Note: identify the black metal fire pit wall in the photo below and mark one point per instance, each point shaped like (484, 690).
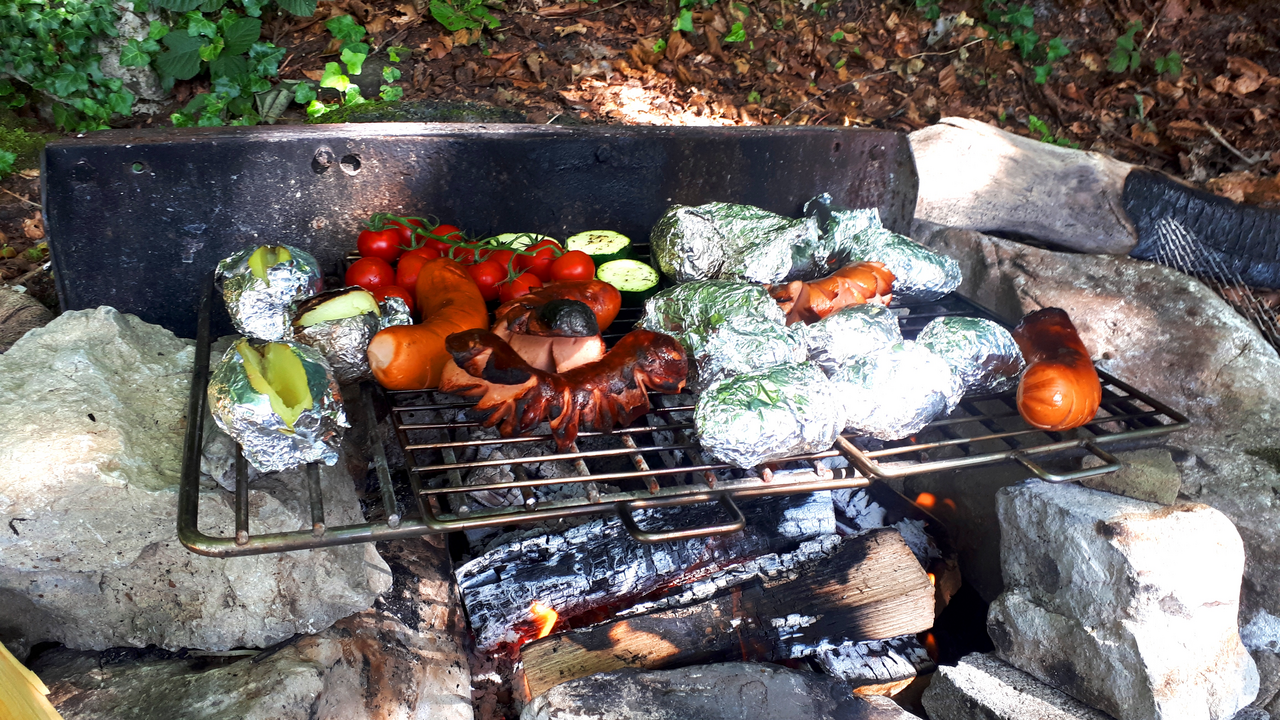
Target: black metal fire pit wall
(138, 219)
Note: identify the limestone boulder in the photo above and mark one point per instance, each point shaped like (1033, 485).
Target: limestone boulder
(1125, 605)
(1167, 334)
(982, 687)
(90, 455)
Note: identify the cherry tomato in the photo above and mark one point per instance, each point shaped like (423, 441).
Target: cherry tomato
(502, 257)
(443, 231)
(573, 265)
(383, 244)
(488, 275)
(520, 286)
(405, 229)
(387, 291)
(370, 273)
(429, 253)
(408, 268)
(545, 253)
(463, 255)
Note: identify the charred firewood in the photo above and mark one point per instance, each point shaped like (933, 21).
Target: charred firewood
(599, 564)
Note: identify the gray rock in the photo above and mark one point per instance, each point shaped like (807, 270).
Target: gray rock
(1252, 713)
(90, 454)
(1169, 335)
(402, 660)
(1268, 676)
(1148, 474)
(1125, 605)
(708, 692)
(981, 687)
(142, 81)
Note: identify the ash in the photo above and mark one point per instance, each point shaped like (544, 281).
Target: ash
(860, 513)
(870, 661)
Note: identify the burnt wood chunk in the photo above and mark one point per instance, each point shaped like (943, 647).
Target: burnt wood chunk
(873, 588)
(598, 564)
(171, 203)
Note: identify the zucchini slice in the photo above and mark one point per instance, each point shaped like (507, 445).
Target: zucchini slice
(636, 281)
(602, 245)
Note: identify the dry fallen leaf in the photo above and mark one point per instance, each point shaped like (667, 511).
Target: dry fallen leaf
(1093, 61)
(1221, 84)
(466, 36)
(677, 46)
(1245, 85)
(574, 29)
(30, 173)
(1185, 128)
(1143, 136)
(947, 81)
(410, 11)
(438, 47)
(33, 227)
(377, 24)
(875, 61)
(742, 66)
(1243, 66)
(554, 11)
(316, 75)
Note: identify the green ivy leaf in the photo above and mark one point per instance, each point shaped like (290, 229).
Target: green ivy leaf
(6, 162)
(211, 6)
(450, 18)
(210, 52)
(305, 8)
(132, 55)
(837, 36)
(304, 93)
(333, 77)
(253, 8)
(198, 25)
(352, 95)
(390, 74)
(353, 60)
(157, 30)
(265, 58)
(226, 86)
(227, 65)
(344, 27)
(395, 52)
(659, 45)
(178, 5)
(182, 60)
(242, 34)
(736, 34)
(685, 22)
(391, 93)
(1022, 16)
(1057, 50)
(1042, 73)
(121, 102)
(315, 109)
(141, 6)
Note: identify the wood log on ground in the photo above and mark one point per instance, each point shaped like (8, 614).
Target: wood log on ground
(877, 667)
(873, 588)
(978, 177)
(599, 564)
(19, 312)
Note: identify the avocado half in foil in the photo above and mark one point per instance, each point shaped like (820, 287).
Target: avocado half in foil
(261, 284)
(340, 324)
(280, 401)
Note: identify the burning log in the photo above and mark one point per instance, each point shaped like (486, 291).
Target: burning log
(599, 564)
(872, 588)
(876, 667)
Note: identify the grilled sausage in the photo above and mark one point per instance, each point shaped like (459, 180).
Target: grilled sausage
(1059, 389)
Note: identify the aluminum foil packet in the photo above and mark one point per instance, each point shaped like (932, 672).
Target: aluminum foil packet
(758, 417)
(851, 332)
(266, 440)
(691, 312)
(919, 273)
(744, 344)
(841, 228)
(896, 392)
(395, 311)
(344, 344)
(982, 354)
(735, 242)
(260, 307)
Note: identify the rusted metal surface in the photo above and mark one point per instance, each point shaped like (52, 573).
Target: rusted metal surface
(136, 218)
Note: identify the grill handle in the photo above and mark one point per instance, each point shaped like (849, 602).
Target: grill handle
(626, 510)
(1110, 464)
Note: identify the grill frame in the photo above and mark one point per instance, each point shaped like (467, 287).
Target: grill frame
(866, 461)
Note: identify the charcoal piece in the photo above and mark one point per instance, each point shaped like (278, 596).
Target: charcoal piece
(599, 563)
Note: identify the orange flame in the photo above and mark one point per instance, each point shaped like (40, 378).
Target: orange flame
(926, 500)
(933, 579)
(545, 617)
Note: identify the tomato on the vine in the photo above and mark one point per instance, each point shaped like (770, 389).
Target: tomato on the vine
(426, 252)
(405, 229)
(539, 263)
(573, 265)
(370, 273)
(383, 244)
(463, 255)
(487, 276)
(502, 257)
(447, 232)
(522, 285)
(383, 293)
(409, 267)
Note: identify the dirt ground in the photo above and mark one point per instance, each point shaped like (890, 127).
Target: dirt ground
(854, 63)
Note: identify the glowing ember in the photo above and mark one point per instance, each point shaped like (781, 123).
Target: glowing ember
(545, 617)
(926, 500)
(933, 580)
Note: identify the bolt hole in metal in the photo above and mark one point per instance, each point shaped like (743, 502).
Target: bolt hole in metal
(350, 164)
(835, 148)
(322, 160)
(138, 168)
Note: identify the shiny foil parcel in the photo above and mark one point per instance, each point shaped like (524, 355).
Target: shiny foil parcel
(851, 332)
(734, 242)
(744, 344)
(260, 308)
(395, 311)
(919, 273)
(840, 228)
(344, 343)
(267, 442)
(895, 392)
(757, 417)
(692, 311)
(981, 353)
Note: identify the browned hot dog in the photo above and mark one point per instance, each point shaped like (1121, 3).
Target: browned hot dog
(1059, 389)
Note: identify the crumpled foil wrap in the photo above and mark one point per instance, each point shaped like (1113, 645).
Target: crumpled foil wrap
(982, 353)
(745, 344)
(919, 273)
(735, 242)
(261, 308)
(896, 392)
(841, 228)
(690, 312)
(344, 344)
(851, 332)
(395, 311)
(268, 444)
(753, 418)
